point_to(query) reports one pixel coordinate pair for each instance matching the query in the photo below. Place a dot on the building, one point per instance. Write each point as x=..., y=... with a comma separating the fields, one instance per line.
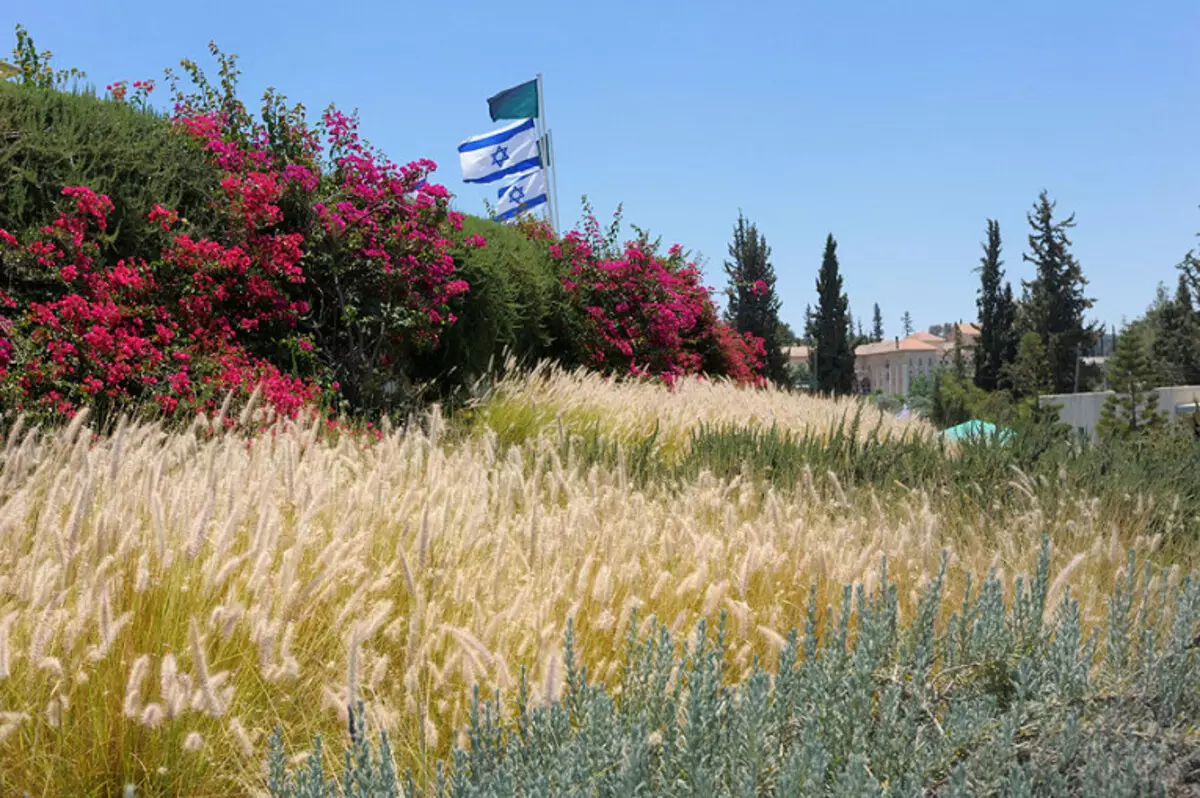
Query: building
x=796, y=355
x=892, y=366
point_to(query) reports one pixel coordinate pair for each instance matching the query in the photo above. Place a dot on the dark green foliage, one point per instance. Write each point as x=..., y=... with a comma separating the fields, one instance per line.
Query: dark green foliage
x=992, y=701
x=834, y=369
x=1029, y=373
x=753, y=304
x=877, y=325
x=997, y=313
x=1133, y=409
x=906, y=324
x=1055, y=301
x=515, y=309
x=52, y=140
x=1174, y=337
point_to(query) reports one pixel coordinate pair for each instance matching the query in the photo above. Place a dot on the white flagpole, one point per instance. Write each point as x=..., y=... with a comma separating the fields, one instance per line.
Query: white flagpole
x=553, y=176
x=548, y=160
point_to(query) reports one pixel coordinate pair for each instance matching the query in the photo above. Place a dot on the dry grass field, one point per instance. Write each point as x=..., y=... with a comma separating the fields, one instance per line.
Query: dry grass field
x=169, y=597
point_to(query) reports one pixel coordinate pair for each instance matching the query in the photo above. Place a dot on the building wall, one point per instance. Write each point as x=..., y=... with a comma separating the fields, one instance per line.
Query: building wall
x=893, y=372
x=1082, y=410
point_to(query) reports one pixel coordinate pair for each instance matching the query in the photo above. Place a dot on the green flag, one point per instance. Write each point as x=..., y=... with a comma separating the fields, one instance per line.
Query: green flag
x=519, y=102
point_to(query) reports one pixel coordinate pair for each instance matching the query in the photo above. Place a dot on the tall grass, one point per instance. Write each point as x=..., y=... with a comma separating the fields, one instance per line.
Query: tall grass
x=169, y=597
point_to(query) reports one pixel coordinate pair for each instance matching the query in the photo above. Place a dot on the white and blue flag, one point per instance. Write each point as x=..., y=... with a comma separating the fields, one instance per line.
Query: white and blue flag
x=496, y=155
x=527, y=191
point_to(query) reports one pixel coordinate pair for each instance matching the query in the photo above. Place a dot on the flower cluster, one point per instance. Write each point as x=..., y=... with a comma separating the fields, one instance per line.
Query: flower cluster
x=327, y=265
x=647, y=314
x=162, y=332
x=743, y=355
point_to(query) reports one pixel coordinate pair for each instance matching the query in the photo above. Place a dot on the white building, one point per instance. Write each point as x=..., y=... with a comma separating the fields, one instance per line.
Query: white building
x=1081, y=411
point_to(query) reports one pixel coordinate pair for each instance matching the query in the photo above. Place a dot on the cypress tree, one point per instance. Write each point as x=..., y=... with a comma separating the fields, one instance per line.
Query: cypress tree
x=877, y=325
x=753, y=303
x=835, y=357
x=1055, y=300
x=996, y=315
x=906, y=323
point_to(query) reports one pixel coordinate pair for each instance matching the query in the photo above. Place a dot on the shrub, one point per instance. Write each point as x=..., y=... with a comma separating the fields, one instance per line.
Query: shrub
x=636, y=312
x=995, y=701
x=515, y=309
x=313, y=266
x=55, y=139
x=132, y=331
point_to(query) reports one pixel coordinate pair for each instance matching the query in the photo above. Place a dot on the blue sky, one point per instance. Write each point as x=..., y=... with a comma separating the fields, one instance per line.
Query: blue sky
x=898, y=127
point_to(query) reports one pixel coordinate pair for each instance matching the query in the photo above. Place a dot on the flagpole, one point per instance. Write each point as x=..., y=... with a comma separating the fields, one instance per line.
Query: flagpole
x=553, y=175
x=547, y=161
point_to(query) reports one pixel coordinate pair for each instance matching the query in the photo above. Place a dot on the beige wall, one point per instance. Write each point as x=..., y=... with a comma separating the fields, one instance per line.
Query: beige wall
x=893, y=372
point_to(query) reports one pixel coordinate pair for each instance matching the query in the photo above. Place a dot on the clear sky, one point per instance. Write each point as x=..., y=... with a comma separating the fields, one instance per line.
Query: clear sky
x=900, y=127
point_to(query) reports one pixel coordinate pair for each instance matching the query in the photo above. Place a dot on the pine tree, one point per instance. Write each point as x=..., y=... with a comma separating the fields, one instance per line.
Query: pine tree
x=1133, y=409
x=877, y=325
x=834, y=370
x=1029, y=373
x=753, y=303
x=997, y=312
x=810, y=325
x=1176, y=339
x=1055, y=301
x=906, y=323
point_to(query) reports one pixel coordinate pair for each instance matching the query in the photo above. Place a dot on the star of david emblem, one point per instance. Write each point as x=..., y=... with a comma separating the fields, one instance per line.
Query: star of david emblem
x=500, y=155
x=517, y=195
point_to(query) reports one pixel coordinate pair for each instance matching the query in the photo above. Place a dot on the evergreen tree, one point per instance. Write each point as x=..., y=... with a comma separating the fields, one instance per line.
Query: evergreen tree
x=1190, y=268
x=1012, y=340
x=1029, y=372
x=1175, y=344
x=753, y=303
x=861, y=337
x=997, y=312
x=1133, y=409
x=877, y=325
x=810, y=325
x=959, y=360
x=1055, y=301
x=906, y=323
x=834, y=370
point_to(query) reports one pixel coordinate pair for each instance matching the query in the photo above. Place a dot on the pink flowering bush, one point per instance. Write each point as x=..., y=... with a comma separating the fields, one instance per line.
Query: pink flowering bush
x=262, y=253
x=365, y=244
x=643, y=313
x=742, y=355
x=321, y=267
x=130, y=331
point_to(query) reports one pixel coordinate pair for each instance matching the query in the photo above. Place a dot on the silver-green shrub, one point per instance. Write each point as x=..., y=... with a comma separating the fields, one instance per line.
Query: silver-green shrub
x=991, y=702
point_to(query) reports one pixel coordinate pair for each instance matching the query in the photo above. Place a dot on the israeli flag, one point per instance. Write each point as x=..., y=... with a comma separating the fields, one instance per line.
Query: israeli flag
x=527, y=191
x=491, y=156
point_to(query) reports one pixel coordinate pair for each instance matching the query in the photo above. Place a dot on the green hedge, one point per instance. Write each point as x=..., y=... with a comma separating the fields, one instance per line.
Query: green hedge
x=516, y=308
x=54, y=139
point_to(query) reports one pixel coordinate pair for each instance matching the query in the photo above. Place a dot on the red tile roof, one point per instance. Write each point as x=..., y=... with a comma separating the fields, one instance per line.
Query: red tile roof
x=910, y=344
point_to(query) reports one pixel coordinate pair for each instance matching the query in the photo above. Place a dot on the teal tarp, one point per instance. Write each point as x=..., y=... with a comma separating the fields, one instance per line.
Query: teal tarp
x=977, y=430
